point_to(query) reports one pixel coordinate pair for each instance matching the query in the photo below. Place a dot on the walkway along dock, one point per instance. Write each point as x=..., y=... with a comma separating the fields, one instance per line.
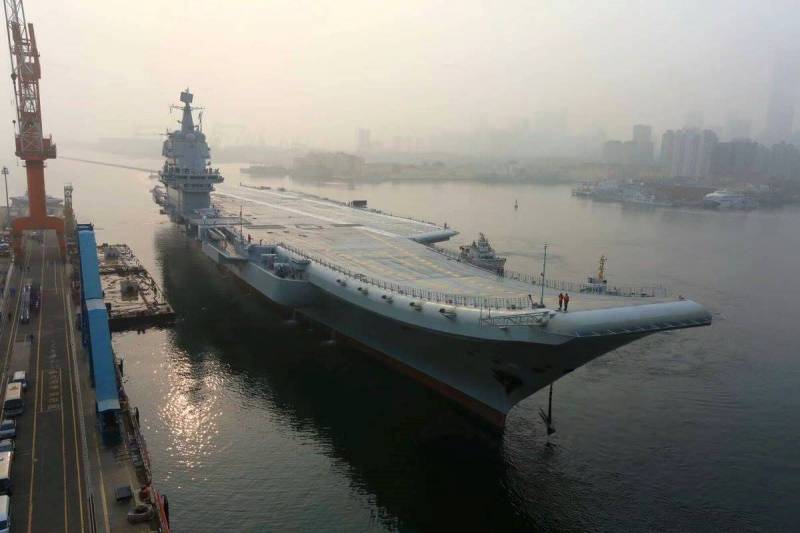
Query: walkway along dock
x=132, y=297
x=128, y=500
x=80, y=461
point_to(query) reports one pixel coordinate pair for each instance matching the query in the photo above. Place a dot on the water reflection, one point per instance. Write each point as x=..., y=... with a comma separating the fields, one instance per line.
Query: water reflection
x=191, y=409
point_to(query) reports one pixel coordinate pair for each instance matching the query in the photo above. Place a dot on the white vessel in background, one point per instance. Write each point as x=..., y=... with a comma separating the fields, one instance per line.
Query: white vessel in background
x=725, y=199
x=584, y=189
x=477, y=337
x=638, y=196
x=607, y=190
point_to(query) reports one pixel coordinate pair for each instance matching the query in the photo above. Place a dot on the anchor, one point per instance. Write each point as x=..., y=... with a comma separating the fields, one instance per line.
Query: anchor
x=292, y=322
x=331, y=341
x=547, y=417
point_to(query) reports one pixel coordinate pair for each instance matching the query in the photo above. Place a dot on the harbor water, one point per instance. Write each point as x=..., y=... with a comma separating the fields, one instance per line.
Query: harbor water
x=256, y=423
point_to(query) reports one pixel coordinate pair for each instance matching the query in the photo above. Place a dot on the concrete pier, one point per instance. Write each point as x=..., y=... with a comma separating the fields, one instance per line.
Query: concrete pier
x=65, y=475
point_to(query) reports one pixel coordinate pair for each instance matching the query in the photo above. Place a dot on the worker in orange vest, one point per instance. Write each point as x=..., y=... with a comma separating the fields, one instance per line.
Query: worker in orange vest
x=566, y=302
x=560, y=300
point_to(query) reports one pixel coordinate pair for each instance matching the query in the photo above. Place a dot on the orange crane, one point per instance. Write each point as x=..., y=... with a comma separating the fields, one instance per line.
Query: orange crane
x=31, y=145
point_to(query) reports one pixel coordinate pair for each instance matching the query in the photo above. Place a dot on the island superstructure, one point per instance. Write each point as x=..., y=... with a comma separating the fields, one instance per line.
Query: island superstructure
x=186, y=173
x=475, y=336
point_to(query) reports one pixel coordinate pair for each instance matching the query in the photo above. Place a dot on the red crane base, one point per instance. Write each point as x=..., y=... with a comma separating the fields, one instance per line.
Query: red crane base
x=18, y=225
x=38, y=218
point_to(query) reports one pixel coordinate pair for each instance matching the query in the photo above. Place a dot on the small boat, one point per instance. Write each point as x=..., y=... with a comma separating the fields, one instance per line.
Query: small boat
x=725, y=199
x=584, y=189
x=641, y=197
x=597, y=284
x=481, y=254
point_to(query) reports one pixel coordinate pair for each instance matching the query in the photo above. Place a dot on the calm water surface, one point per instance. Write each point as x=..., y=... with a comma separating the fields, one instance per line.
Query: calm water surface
x=255, y=425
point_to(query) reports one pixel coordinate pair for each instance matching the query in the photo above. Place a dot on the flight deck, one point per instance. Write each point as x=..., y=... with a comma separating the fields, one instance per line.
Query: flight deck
x=383, y=247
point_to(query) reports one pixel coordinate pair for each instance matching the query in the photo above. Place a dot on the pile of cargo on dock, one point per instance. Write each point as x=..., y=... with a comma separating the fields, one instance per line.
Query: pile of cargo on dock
x=131, y=295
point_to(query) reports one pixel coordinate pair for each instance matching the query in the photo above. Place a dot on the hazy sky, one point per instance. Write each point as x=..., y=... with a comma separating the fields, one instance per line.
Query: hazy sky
x=315, y=71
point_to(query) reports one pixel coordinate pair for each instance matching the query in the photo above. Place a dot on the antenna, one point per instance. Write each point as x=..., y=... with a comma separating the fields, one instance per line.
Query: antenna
x=8, y=209
x=544, y=268
x=601, y=271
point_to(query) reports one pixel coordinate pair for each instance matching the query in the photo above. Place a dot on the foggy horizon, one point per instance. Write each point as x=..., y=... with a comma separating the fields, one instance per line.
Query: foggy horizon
x=282, y=73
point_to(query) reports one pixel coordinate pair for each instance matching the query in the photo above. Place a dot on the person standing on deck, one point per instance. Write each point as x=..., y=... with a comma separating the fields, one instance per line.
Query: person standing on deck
x=560, y=300
x=566, y=302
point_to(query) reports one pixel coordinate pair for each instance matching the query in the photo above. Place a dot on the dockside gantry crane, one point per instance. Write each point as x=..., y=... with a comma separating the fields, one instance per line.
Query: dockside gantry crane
x=31, y=145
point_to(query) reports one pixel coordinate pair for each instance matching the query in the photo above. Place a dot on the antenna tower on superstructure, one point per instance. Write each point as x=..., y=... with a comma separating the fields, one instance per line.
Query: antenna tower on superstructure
x=601, y=269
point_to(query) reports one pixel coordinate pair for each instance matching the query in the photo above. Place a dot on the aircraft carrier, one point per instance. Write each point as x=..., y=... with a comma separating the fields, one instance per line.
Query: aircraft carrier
x=475, y=336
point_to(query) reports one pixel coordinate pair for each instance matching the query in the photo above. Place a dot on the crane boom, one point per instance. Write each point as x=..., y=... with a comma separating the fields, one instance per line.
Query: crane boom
x=31, y=145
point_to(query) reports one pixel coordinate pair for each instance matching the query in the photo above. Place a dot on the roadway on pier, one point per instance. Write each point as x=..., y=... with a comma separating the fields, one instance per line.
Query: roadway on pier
x=47, y=467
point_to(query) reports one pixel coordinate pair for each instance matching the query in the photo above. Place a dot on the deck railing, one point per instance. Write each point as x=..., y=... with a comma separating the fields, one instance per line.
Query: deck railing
x=522, y=302
x=462, y=300
x=559, y=285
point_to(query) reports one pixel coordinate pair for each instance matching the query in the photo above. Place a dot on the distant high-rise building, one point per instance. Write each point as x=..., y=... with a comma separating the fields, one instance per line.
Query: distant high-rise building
x=667, y=150
x=637, y=152
x=364, y=141
x=688, y=152
x=782, y=99
x=614, y=152
x=784, y=162
x=642, y=149
x=642, y=133
x=738, y=159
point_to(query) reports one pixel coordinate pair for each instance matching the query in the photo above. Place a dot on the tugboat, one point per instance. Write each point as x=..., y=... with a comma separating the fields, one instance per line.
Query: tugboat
x=598, y=284
x=481, y=254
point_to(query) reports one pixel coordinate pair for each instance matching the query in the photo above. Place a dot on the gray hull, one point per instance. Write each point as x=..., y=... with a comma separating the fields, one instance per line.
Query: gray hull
x=486, y=377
